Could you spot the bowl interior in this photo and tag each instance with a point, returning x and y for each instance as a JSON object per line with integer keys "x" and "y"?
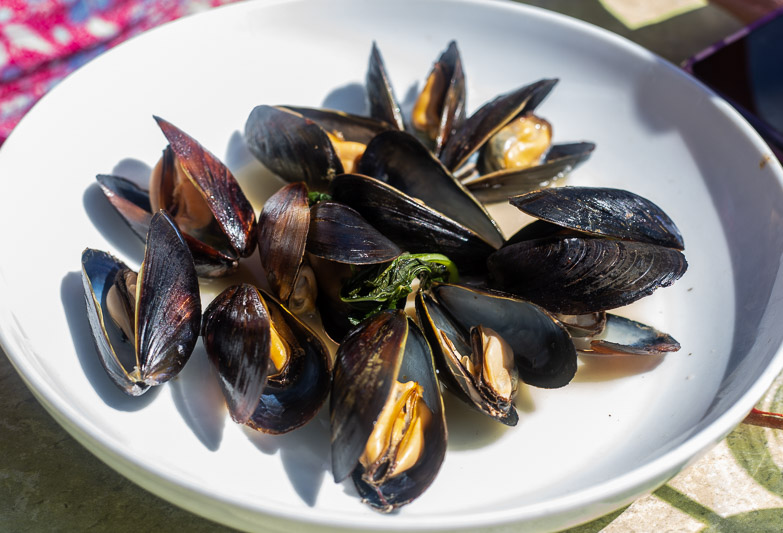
{"x": 617, "y": 430}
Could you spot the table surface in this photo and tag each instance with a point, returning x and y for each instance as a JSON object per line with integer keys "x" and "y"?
{"x": 49, "y": 482}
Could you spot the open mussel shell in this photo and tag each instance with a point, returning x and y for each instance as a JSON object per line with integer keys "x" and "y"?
{"x": 152, "y": 343}
{"x": 543, "y": 350}
{"x": 399, "y": 159}
{"x": 623, "y": 336}
{"x": 414, "y": 227}
{"x": 380, "y": 354}
{"x": 215, "y": 185}
{"x": 380, "y": 94}
{"x": 133, "y": 204}
{"x": 201, "y": 195}
{"x": 440, "y": 106}
{"x": 437, "y": 323}
{"x": 292, "y": 146}
{"x": 602, "y": 211}
{"x": 244, "y": 332}
{"x": 498, "y": 186}
{"x": 574, "y": 275}
{"x": 489, "y": 119}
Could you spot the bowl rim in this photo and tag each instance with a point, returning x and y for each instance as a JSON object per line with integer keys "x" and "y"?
{"x": 166, "y": 484}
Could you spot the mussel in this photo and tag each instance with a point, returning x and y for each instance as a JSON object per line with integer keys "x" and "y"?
{"x": 380, "y": 94}
{"x": 440, "y": 107}
{"x": 543, "y": 350}
{"x": 600, "y": 249}
{"x": 310, "y": 145}
{"x": 290, "y": 233}
{"x": 274, "y": 370}
{"x": 202, "y": 196}
{"x": 388, "y": 426}
{"x": 146, "y": 324}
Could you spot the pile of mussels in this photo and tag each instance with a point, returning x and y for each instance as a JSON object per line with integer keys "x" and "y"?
{"x": 376, "y": 206}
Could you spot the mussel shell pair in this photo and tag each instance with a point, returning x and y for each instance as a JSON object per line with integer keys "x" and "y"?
{"x": 544, "y": 353}
{"x": 167, "y": 314}
{"x": 457, "y": 138}
{"x": 383, "y": 349}
{"x": 598, "y": 249}
{"x": 237, "y": 333}
{"x": 232, "y": 233}
{"x": 443, "y": 98}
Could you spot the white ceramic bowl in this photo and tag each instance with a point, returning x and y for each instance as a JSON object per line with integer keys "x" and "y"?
{"x": 619, "y": 430}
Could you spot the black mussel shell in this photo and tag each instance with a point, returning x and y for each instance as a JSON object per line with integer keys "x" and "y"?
{"x": 217, "y": 247}
{"x": 539, "y": 229}
{"x": 218, "y": 187}
{"x": 167, "y": 315}
{"x": 543, "y": 350}
{"x": 414, "y": 227}
{"x": 292, "y": 401}
{"x": 236, "y": 334}
{"x": 574, "y": 275}
{"x": 383, "y": 349}
{"x": 602, "y": 211}
{"x": 292, "y": 146}
{"x": 339, "y": 233}
{"x": 346, "y": 126}
{"x": 399, "y": 159}
{"x": 282, "y": 236}
{"x": 559, "y": 161}
{"x": 490, "y": 118}
{"x": 440, "y": 107}
{"x": 380, "y": 95}
{"x": 133, "y": 204}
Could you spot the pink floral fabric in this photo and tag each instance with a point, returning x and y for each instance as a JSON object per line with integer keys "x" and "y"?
{"x": 41, "y": 41}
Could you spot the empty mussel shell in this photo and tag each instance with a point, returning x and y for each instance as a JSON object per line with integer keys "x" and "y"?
{"x": 145, "y": 325}
{"x": 386, "y": 411}
{"x": 623, "y": 336}
{"x": 380, "y": 94}
{"x": 274, "y": 370}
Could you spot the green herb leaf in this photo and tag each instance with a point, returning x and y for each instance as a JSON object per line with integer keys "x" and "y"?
{"x": 386, "y": 286}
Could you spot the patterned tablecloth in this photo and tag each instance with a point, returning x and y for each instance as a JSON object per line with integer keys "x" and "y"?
{"x": 738, "y": 486}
